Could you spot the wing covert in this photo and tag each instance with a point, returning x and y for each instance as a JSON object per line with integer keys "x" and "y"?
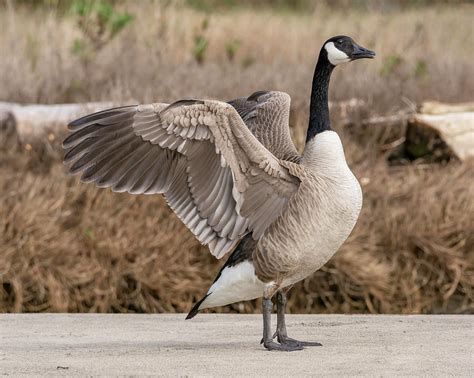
{"x": 266, "y": 114}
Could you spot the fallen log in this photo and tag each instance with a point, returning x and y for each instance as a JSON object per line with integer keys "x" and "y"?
{"x": 8, "y": 131}
{"x": 440, "y": 136}
{"x": 26, "y": 124}
{"x": 438, "y": 132}
{"x": 435, "y": 107}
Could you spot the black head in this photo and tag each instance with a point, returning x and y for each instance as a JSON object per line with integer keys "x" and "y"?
{"x": 342, "y": 49}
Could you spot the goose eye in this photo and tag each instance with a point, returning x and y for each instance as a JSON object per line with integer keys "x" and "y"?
{"x": 340, "y": 41}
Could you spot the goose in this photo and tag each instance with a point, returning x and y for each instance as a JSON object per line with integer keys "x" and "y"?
{"x": 231, "y": 173}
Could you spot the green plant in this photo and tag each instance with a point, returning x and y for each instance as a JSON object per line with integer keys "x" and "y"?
{"x": 421, "y": 68}
{"x": 231, "y": 48}
{"x": 78, "y": 47}
{"x": 201, "y": 42}
{"x": 390, "y": 64}
{"x": 88, "y": 233}
{"x": 248, "y": 60}
{"x": 200, "y": 47}
{"x": 99, "y": 23}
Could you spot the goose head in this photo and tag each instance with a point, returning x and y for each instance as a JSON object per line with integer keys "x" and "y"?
{"x": 335, "y": 51}
{"x": 343, "y": 49}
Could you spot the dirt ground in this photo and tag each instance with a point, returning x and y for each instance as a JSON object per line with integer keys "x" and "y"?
{"x": 228, "y": 345}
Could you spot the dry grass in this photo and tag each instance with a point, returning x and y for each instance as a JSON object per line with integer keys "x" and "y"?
{"x": 71, "y": 247}
{"x": 152, "y": 60}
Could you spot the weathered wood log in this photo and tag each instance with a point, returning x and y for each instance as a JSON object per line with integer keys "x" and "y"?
{"x": 441, "y": 136}
{"x": 438, "y": 133}
{"x": 435, "y": 107}
{"x": 441, "y": 131}
{"x": 8, "y": 132}
{"x": 30, "y": 123}
{"x": 386, "y": 120}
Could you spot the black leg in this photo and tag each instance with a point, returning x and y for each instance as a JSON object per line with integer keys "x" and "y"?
{"x": 281, "y": 333}
{"x": 268, "y": 342}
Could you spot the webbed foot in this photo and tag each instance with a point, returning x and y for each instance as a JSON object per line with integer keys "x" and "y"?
{"x": 285, "y": 340}
{"x": 271, "y": 345}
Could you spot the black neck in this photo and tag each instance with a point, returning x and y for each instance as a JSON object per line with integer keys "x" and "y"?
{"x": 319, "y": 109}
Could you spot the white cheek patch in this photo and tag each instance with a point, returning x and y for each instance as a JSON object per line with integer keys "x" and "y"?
{"x": 335, "y": 55}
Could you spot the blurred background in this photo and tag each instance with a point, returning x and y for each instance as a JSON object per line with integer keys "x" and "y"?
{"x": 69, "y": 247}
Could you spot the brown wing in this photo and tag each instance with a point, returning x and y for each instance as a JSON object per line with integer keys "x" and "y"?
{"x": 216, "y": 176}
{"x": 267, "y": 114}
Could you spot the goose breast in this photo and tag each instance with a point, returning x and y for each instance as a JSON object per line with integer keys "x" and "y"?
{"x": 319, "y": 218}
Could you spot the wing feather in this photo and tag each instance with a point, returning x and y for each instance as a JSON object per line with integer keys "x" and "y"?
{"x": 266, "y": 114}
{"x": 215, "y": 175}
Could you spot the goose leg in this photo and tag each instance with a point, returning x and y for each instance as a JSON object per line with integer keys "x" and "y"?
{"x": 268, "y": 342}
{"x": 281, "y": 333}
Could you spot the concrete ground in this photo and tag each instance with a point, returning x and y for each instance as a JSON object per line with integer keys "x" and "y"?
{"x": 215, "y": 345}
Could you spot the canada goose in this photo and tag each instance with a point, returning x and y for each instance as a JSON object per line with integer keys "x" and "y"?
{"x": 231, "y": 173}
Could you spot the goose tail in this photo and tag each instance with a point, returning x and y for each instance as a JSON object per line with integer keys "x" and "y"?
{"x": 195, "y": 310}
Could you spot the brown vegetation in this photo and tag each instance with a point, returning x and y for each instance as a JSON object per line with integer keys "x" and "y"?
{"x": 67, "y": 246}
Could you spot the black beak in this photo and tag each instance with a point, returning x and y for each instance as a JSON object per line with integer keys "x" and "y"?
{"x": 360, "y": 52}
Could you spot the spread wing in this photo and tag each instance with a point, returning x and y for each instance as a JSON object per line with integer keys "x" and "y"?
{"x": 267, "y": 115}
{"x": 215, "y": 175}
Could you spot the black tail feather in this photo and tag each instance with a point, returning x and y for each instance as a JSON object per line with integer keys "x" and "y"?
{"x": 194, "y": 311}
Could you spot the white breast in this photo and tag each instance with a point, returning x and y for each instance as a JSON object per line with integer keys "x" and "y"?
{"x": 333, "y": 211}
{"x": 324, "y": 155}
